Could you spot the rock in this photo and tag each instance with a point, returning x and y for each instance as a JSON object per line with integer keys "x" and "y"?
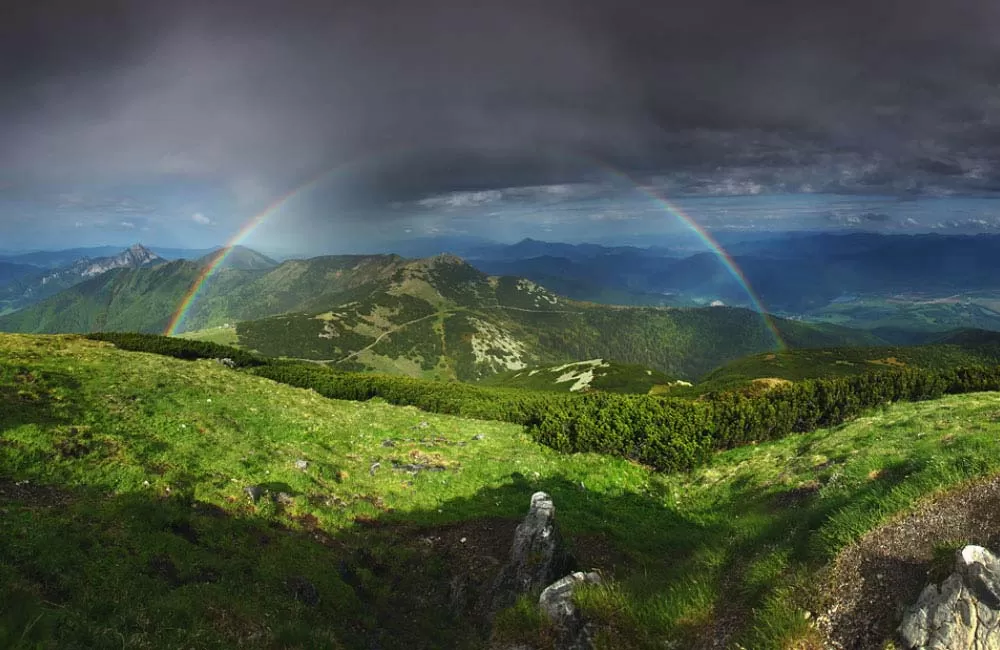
{"x": 556, "y": 600}
{"x": 388, "y": 443}
{"x": 301, "y": 464}
{"x": 284, "y": 498}
{"x": 537, "y": 557}
{"x": 374, "y": 468}
{"x": 227, "y": 362}
{"x": 255, "y": 492}
{"x": 556, "y": 603}
{"x": 478, "y": 436}
{"x": 964, "y": 613}
{"x": 416, "y": 468}
{"x": 302, "y": 590}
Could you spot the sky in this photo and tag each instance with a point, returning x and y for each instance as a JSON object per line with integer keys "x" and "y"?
{"x": 354, "y": 122}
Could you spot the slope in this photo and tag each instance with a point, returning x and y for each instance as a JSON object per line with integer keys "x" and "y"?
{"x": 37, "y": 286}
{"x": 10, "y": 271}
{"x": 969, "y": 348}
{"x": 240, "y": 257}
{"x": 122, "y": 481}
{"x": 441, "y": 318}
{"x": 437, "y": 317}
{"x": 584, "y": 376}
{"x": 145, "y": 299}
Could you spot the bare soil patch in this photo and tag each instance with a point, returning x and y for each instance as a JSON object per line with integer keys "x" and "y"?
{"x": 872, "y": 581}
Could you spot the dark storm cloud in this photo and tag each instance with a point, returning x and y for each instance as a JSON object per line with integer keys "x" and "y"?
{"x": 425, "y": 97}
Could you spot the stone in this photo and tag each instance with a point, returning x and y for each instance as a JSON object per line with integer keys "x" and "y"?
{"x": 284, "y": 498}
{"x": 963, "y": 613}
{"x": 388, "y": 443}
{"x": 374, "y": 468}
{"x": 301, "y": 464}
{"x": 537, "y": 557}
{"x": 556, "y": 603}
{"x": 227, "y": 362}
{"x": 478, "y": 436}
{"x": 255, "y": 492}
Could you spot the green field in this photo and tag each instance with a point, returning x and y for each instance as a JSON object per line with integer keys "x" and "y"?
{"x": 126, "y": 524}
{"x": 815, "y": 363}
{"x": 222, "y": 335}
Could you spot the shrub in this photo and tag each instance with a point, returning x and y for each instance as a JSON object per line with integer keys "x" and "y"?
{"x": 669, "y": 434}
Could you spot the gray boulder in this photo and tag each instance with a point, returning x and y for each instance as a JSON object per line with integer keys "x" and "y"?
{"x": 964, "y": 613}
{"x": 254, "y": 492}
{"x": 537, "y": 557}
{"x": 556, "y": 602}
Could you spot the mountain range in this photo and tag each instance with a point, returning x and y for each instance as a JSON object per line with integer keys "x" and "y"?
{"x": 34, "y": 285}
{"x": 436, "y": 317}
{"x": 528, "y": 304}
{"x": 909, "y": 282}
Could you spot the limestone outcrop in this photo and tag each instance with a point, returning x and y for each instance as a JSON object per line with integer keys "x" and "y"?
{"x": 963, "y": 613}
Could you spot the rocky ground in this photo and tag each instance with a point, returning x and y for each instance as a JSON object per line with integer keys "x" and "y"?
{"x": 874, "y": 581}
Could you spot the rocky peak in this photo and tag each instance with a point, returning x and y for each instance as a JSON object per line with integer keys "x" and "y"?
{"x": 140, "y": 254}
{"x": 134, "y": 257}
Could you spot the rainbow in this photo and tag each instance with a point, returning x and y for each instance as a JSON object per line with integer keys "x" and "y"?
{"x": 727, "y": 260}
{"x": 223, "y": 253}
{"x": 275, "y": 206}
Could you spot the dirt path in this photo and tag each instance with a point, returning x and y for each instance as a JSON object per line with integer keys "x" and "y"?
{"x": 540, "y": 311}
{"x": 874, "y": 580}
{"x": 388, "y": 332}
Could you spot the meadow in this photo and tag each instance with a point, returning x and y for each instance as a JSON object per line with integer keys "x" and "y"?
{"x": 126, "y": 520}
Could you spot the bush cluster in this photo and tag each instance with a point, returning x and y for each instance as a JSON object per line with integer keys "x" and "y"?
{"x": 669, "y": 434}
{"x": 179, "y": 348}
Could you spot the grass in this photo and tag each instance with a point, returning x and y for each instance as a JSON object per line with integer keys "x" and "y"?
{"x": 815, "y": 363}
{"x": 222, "y": 335}
{"x": 125, "y": 521}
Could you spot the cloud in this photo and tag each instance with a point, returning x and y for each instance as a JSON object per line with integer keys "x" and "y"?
{"x": 461, "y": 199}
{"x": 201, "y": 219}
{"x": 127, "y": 224}
{"x": 117, "y": 205}
{"x": 454, "y": 107}
{"x": 531, "y": 195}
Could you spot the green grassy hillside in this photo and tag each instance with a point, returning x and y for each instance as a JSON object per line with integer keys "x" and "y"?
{"x": 584, "y": 376}
{"x": 435, "y": 318}
{"x": 796, "y": 365}
{"x": 125, "y": 522}
{"x": 440, "y": 318}
{"x": 144, "y": 300}
{"x": 122, "y": 299}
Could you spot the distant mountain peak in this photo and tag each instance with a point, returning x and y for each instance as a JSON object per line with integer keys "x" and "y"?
{"x": 135, "y": 256}
{"x": 240, "y": 257}
{"x": 139, "y": 253}
{"x": 448, "y": 258}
